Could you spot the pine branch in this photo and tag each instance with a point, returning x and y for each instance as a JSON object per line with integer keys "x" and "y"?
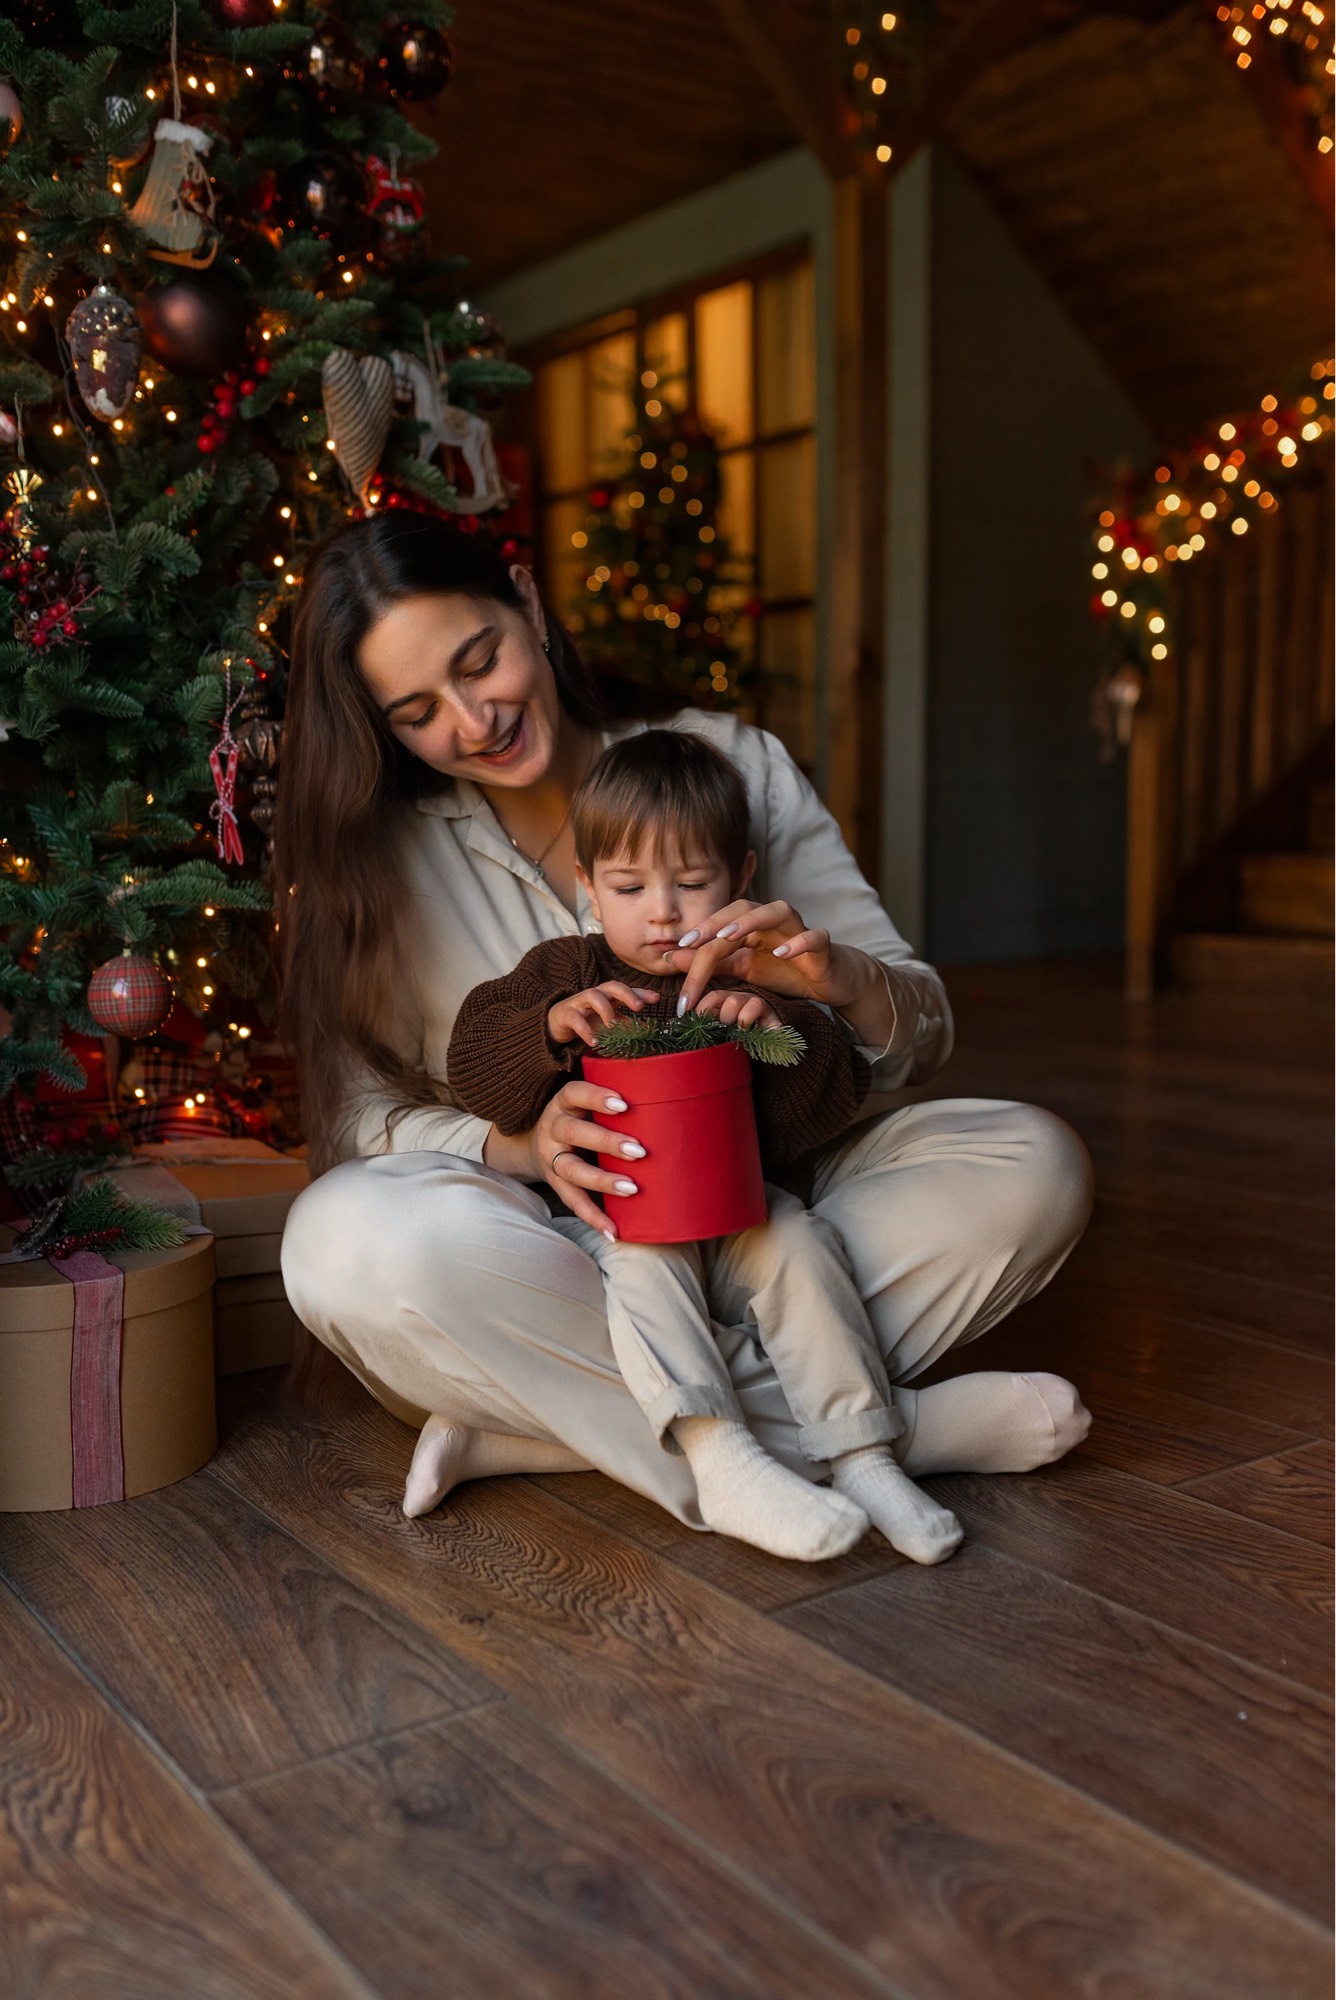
{"x": 636, "y": 1035}
{"x": 97, "y": 1216}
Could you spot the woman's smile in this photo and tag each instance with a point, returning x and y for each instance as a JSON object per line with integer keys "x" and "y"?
{"x": 510, "y": 747}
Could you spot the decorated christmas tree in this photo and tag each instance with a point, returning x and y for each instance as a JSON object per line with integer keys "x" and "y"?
{"x": 221, "y": 333}
{"x": 664, "y": 597}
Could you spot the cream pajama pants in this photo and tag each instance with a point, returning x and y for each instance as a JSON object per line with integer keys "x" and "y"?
{"x": 449, "y": 1289}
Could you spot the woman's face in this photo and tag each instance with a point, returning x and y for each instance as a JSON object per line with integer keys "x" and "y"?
{"x": 465, "y": 685}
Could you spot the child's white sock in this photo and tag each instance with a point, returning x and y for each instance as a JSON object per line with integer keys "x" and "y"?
{"x": 910, "y": 1521}
{"x": 745, "y": 1493}
{"x": 446, "y": 1454}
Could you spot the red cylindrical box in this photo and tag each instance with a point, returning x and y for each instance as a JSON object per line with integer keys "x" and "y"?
{"x": 693, "y": 1114}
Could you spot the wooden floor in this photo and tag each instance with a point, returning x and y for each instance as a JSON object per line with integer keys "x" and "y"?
{"x": 259, "y": 1736}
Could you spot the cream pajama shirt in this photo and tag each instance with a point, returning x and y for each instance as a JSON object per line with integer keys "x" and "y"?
{"x": 451, "y": 1289}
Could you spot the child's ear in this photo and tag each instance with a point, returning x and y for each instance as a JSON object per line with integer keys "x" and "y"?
{"x": 748, "y": 870}
{"x": 588, "y": 886}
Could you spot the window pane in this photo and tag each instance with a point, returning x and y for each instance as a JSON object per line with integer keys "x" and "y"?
{"x": 561, "y": 422}
{"x": 737, "y": 501}
{"x": 785, "y": 696}
{"x": 786, "y": 516}
{"x": 785, "y": 344}
{"x": 564, "y": 567}
{"x": 610, "y": 373}
{"x": 666, "y": 354}
{"x": 724, "y": 362}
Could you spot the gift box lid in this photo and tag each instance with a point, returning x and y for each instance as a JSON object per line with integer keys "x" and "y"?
{"x": 242, "y": 1188}
{"x": 34, "y": 1298}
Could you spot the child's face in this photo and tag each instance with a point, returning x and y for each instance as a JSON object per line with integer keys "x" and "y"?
{"x": 645, "y": 905}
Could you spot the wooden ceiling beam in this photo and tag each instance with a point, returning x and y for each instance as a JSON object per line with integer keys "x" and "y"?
{"x": 789, "y": 50}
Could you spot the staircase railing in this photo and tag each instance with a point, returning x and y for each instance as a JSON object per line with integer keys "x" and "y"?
{"x": 1242, "y": 700}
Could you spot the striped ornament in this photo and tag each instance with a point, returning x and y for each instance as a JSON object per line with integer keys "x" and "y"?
{"x": 358, "y": 393}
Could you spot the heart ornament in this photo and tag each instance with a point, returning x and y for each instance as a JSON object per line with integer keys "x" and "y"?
{"x": 358, "y": 393}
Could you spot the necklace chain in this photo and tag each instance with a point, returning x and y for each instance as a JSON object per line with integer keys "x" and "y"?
{"x": 539, "y": 859}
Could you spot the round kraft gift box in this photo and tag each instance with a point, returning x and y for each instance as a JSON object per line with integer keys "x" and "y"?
{"x": 693, "y": 1114}
{"x": 97, "y": 1407}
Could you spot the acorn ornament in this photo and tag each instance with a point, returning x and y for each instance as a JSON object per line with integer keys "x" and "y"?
{"x": 129, "y": 996}
{"x": 104, "y": 342}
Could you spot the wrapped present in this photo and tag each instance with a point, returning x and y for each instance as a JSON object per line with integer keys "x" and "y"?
{"x": 106, "y": 1374}
{"x": 241, "y": 1191}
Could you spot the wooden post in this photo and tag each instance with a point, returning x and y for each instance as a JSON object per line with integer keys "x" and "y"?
{"x": 856, "y": 579}
{"x": 1144, "y": 801}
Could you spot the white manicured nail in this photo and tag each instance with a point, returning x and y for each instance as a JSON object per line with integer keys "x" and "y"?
{"x": 729, "y": 930}
{"x": 626, "y": 1187}
{"x": 690, "y": 938}
{"x": 614, "y": 1104}
{"x": 681, "y": 1005}
{"x": 611, "y": 1235}
{"x": 632, "y": 1151}
{"x": 780, "y": 951}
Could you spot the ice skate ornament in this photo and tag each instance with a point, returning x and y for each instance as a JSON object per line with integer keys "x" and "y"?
{"x": 463, "y": 430}
{"x": 175, "y": 208}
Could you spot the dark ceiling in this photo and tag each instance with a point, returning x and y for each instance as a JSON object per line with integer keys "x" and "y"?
{"x": 1124, "y": 151}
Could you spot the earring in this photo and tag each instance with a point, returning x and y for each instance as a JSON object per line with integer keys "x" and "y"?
{"x": 547, "y": 645}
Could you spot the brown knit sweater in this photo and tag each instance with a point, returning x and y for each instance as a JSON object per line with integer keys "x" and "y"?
{"x": 501, "y": 1065}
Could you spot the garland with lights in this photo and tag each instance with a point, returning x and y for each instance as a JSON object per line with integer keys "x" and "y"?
{"x": 663, "y": 596}
{"x": 1298, "y": 31}
{"x": 1152, "y": 524}
{"x": 200, "y": 202}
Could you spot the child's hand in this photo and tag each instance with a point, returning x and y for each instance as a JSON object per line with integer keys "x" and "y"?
{"x": 581, "y": 1017}
{"x": 744, "y": 1010}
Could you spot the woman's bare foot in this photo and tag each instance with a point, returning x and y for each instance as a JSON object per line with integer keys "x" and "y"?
{"x": 989, "y": 1423}
{"x": 447, "y": 1454}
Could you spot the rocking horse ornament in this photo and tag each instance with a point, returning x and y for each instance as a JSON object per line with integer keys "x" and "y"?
{"x": 463, "y": 430}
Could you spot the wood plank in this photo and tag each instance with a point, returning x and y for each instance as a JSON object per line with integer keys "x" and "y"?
{"x": 1292, "y": 1491}
{"x": 484, "y": 1846}
{"x": 1227, "y": 1760}
{"x": 118, "y": 1883}
{"x": 764, "y": 1582}
{"x": 1192, "y": 1290}
{"x": 948, "y": 1866}
{"x": 1074, "y": 1326}
{"x": 249, "y": 1652}
{"x": 1148, "y": 1430}
{"x": 1238, "y": 1585}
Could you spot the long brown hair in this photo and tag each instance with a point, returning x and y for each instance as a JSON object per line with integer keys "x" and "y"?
{"x": 344, "y": 779}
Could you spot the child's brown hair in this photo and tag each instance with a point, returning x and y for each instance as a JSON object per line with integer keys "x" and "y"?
{"x": 669, "y": 785}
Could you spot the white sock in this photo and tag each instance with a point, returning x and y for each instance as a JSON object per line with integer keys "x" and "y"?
{"x": 910, "y": 1521}
{"x": 446, "y": 1454}
{"x": 745, "y": 1493}
{"x": 989, "y": 1423}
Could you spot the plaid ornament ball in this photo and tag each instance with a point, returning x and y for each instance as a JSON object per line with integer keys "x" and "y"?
{"x": 129, "y": 996}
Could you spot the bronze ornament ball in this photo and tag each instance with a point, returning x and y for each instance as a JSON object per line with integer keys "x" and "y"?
{"x": 10, "y": 108}
{"x": 330, "y": 64}
{"x": 415, "y": 61}
{"x": 241, "y": 13}
{"x": 195, "y": 324}
{"x": 325, "y": 193}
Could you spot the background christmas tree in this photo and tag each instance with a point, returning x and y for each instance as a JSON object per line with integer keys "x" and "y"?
{"x": 210, "y": 251}
{"x": 664, "y": 596}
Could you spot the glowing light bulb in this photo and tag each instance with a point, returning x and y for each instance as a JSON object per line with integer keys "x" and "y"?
{"x": 1239, "y": 525}
{"x": 1109, "y": 598}
{"x": 1160, "y": 652}
{"x": 883, "y": 154}
{"x": 1156, "y": 623}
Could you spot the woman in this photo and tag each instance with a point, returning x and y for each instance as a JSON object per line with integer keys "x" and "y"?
{"x": 439, "y": 721}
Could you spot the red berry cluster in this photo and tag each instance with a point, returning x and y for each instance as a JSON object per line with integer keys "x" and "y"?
{"x": 217, "y": 420}
{"x": 49, "y": 603}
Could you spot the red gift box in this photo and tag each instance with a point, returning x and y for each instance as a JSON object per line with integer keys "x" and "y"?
{"x": 694, "y": 1116}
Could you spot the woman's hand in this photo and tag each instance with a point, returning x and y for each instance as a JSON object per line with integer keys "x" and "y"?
{"x": 566, "y": 1124}
{"x": 581, "y": 1017}
{"x": 765, "y": 944}
{"x": 743, "y": 1010}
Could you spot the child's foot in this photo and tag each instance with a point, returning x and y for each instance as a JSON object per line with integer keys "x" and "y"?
{"x": 910, "y": 1521}
{"x": 447, "y": 1454}
{"x": 745, "y": 1493}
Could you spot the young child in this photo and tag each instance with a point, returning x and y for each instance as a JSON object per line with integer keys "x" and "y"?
{"x": 661, "y": 841}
